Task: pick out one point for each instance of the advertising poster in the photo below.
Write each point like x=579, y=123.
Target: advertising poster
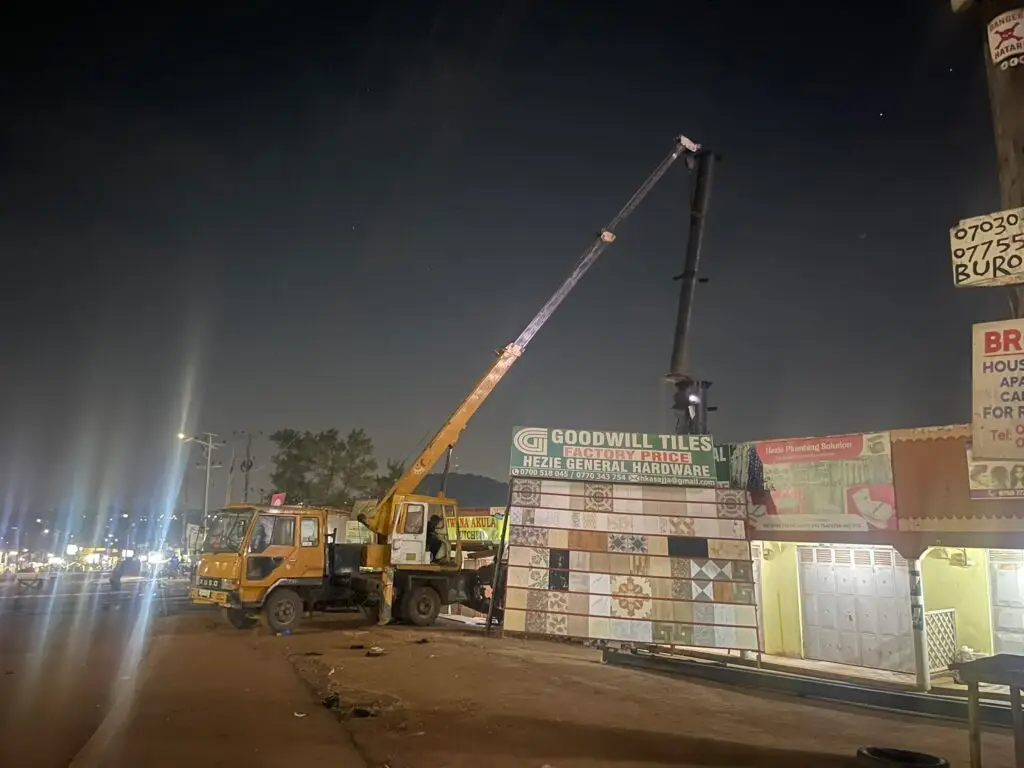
x=601, y=456
x=994, y=479
x=836, y=483
x=483, y=524
x=997, y=390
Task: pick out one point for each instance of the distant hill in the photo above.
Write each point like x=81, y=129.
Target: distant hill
x=470, y=490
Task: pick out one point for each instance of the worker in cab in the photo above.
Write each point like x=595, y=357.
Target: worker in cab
x=436, y=543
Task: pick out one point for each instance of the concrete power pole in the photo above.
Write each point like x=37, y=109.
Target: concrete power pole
x=1001, y=24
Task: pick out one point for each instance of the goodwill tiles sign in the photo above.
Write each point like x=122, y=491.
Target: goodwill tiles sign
x=836, y=483
x=631, y=563
x=613, y=457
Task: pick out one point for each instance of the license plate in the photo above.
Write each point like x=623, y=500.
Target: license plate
x=204, y=593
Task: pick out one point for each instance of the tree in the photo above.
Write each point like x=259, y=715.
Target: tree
x=383, y=482
x=326, y=468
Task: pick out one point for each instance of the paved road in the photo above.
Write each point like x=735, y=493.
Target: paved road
x=60, y=655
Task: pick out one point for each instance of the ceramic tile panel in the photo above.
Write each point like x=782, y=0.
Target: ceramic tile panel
x=637, y=564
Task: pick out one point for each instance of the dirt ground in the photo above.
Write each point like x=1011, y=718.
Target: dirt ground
x=453, y=697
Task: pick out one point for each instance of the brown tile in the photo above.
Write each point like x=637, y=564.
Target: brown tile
x=558, y=538
x=600, y=562
x=659, y=566
x=514, y=621
x=662, y=610
x=579, y=626
x=657, y=545
x=639, y=565
x=589, y=541
x=578, y=603
x=619, y=564
x=682, y=612
x=515, y=598
x=724, y=592
x=661, y=588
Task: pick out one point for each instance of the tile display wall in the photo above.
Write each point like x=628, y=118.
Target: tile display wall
x=632, y=563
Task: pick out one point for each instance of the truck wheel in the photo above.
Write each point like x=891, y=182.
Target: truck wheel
x=421, y=606
x=283, y=610
x=238, y=618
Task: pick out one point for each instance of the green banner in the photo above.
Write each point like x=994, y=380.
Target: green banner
x=723, y=455
x=602, y=456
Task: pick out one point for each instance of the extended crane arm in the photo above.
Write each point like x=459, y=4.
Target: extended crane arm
x=452, y=428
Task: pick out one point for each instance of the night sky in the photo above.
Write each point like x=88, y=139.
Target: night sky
x=330, y=216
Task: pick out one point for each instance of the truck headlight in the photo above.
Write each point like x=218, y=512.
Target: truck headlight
x=228, y=583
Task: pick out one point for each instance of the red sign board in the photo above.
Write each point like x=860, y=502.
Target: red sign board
x=277, y=500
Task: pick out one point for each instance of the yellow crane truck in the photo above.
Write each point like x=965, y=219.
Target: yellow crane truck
x=282, y=562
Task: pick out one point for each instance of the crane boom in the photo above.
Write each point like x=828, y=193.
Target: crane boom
x=453, y=426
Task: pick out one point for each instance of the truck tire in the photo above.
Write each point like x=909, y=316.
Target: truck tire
x=421, y=605
x=238, y=618
x=283, y=610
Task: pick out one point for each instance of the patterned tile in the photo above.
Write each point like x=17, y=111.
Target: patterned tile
x=711, y=569
x=537, y=578
x=683, y=546
x=515, y=621
x=536, y=622
x=528, y=537
x=627, y=542
x=703, y=591
x=631, y=597
x=529, y=556
x=742, y=570
x=682, y=568
x=731, y=503
x=558, y=580
x=661, y=632
x=682, y=526
x=743, y=593
x=516, y=516
x=558, y=559
x=682, y=634
x=639, y=565
x=525, y=492
x=584, y=521
x=536, y=601
x=558, y=602
x=597, y=497
x=557, y=624
x=620, y=523
x=682, y=590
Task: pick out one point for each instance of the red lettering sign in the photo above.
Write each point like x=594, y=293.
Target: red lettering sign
x=997, y=342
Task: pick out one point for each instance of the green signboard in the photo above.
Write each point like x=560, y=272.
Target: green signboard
x=602, y=456
x=723, y=455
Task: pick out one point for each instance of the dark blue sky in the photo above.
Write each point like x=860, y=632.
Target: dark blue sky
x=320, y=216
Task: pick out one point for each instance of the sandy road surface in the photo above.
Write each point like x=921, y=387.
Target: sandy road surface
x=459, y=699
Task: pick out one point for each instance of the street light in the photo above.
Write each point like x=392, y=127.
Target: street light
x=209, y=442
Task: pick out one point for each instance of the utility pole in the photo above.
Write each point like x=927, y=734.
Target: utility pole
x=210, y=444
x=247, y=465
x=1001, y=24
x=690, y=398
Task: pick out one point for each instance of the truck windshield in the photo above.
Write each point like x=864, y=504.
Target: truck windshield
x=227, y=530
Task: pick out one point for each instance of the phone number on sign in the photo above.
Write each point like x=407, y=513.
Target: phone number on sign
x=613, y=477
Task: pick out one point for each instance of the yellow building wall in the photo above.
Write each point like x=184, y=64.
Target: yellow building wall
x=947, y=585
x=780, y=601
